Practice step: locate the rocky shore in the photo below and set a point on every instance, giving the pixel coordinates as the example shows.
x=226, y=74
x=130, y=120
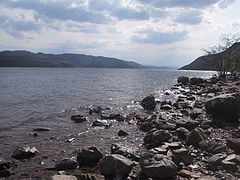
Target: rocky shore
x=190, y=132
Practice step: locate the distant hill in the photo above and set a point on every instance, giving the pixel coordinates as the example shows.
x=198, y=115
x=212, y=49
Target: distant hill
x=210, y=62
x=28, y=59
x=161, y=67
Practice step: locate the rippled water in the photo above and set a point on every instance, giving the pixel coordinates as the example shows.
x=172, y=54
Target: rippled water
x=34, y=94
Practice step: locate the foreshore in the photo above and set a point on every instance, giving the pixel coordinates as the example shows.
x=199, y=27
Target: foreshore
x=190, y=132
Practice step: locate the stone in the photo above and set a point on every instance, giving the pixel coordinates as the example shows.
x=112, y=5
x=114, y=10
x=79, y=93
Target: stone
x=41, y=129
x=66, y=164
x=229, y=166
x=63, y=177
x=182, y=79
x=182, y=155
x=89, y=157
x=212, y=146
x=216, y=160
x=101, y=123
x=196, y=136
x=224, y=107
x=182, y=132
x=196, y=81
x=155, y=138
x=24, y=152
x=96, y=110
x=78, y=118
x=196, y=112
x=147, y=126
x=115, y=165
x=4, y=168
x=117, y=117
x=122, y=133
x=234, y=144
x=158, y=167
x=233, y=158
x=188, y=174
x=125, y=150
x=148, y=103
x=173, y=145
x=166, y=107
x=89, y=177
x=188, y=124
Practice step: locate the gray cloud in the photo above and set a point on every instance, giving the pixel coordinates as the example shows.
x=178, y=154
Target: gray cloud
x=158, y=38
x=180, y=3
x=189, y=17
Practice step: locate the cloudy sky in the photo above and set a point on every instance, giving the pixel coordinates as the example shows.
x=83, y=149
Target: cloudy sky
x=153, y=32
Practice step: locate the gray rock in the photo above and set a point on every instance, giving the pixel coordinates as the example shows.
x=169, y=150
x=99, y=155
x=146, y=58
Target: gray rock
x=158, y=167
x=182, y=79
x=182, y=155
x=233, y=158
x=41, y=129
x=224, y=107
x=212, y=146
x=234, y=144
x=182, y=132
x=166, y=107
x=89, y=177
x=63, y=177
x=78, y=118
x=196, y=112
x=101, y=123
x=24, y=152
x=196, y=136
x=147, y=126
x=148, y=103
x=229, y=166
x=4, y=168
x=89, y=157
x=189, y=124
x=216, y=160
x=156, y=137
x=65, y=164
x=115, y=165
x=125, y=150
x=196, y=81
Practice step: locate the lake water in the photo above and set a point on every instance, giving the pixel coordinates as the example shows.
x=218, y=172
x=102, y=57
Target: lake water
x=37, y=94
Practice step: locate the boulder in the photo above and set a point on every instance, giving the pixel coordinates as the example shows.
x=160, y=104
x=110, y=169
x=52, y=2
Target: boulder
x=196, y=81
x=125, y=150
x=183, y=80
x=155, y=138
x=148, y=103
x=115, y=165
x=182, y=132
x=158, y=167
x=188, y=124
x=78, y=118
x=196, y=136
x=89, y=157
x=24, y=152
x=234, y=144
x=182, y=155
x=66, y=164
x=212, y=146
x=226, y=106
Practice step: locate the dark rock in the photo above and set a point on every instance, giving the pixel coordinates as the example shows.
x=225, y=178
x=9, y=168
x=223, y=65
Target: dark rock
x=122, y=133
x=101, y=123
x=147, y=126
x=115, y=165
x=4, y=168
x=188, y=174
x=89, y=177
x=229, y=166
x=117, y=117
x=212, y=146
x=182, y=132
x=64, y=177
x=41, y=129
x=156, y=137
x=158, y=167
x=89, y=157
x=184, y=80
x=66, y=164
x=188, y=124
x=166, y=126
x=196, y=136
x=96, y=110
x=127, y=151
x=24, y=152
x=226, y=106
x=234, y=144
x=233, y=158
x=148, y=103
x=196, y=81
x=196, y=112
x=78, y=118
x=182, y=155
x=5, y=173
x=215, y=161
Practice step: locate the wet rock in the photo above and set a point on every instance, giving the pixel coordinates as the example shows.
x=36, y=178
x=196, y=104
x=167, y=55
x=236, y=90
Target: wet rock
x=188, y=124
x=89, y=157
x=182, y=155
x=148, y=103
x=41, y=129
x=196, y=136
x=212, y=146
x=234, y=144
x=63, y=177
x=78, y=118
x=101, y=123
x=156, y=137
x=96, y=110
x=196, y=81
x=4, y=168
x=125, y=150
x=182, y=79
x=122, y=133
x=158, y=167
x=24, y=152
x=182, y=132
x=226, y=106
x=66, y=164
x=115, y=165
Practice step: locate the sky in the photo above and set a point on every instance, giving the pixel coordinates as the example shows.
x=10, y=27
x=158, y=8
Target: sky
x=149, y=32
